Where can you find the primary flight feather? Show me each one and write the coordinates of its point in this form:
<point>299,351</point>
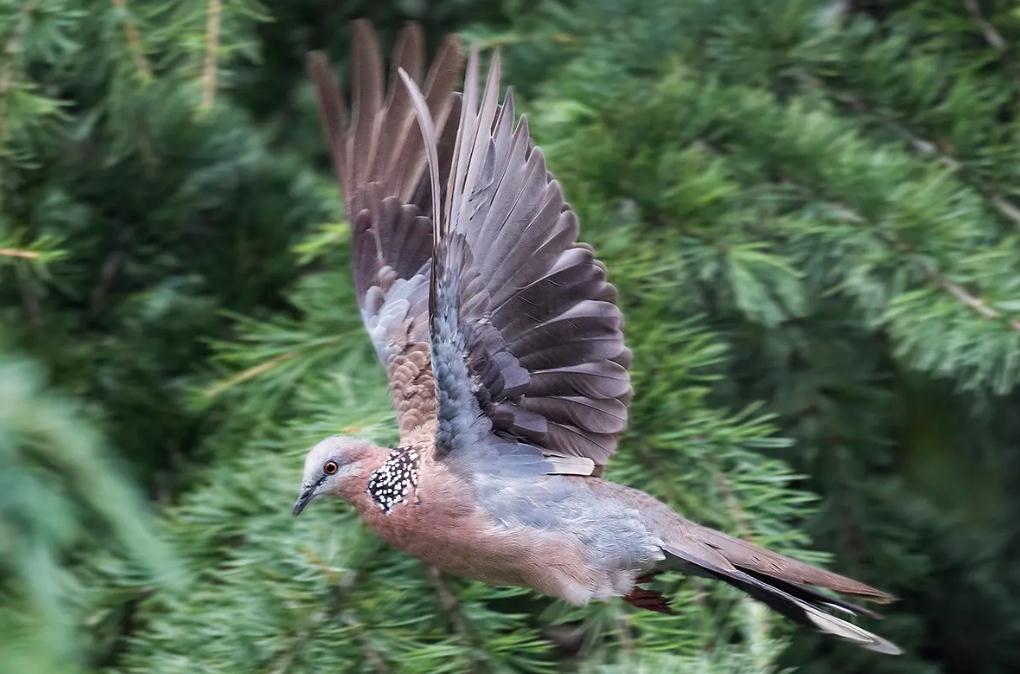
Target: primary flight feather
<point>503,345</point>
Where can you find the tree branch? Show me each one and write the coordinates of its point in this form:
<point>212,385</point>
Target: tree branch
<point>957,291</point>
<point>757,619</point>
<point>258,370</point>
<point>975,303</point>
<point>19,253</point>
<point>379,663</point>
<point>349,618</point>
<point>928,148</point>
<point>134,41</point>
<point>214,18</point>
<point>451,607</point>
<point>9,51</point>
<point>994,39</point>
<point>992,36</point>
<point>737,514</point>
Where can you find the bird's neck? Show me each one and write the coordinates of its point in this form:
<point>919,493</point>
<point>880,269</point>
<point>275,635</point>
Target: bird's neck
<point>353,488</point>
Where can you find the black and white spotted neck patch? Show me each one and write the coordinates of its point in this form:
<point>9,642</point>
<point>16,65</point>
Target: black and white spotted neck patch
<point>394,481</point>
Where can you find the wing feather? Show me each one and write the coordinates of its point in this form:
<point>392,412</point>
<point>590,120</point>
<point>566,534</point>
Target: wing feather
<point>392,195</point>
<point>525,332</point>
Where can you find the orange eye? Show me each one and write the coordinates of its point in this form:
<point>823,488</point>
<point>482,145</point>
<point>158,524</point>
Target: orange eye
<point>329,467</point>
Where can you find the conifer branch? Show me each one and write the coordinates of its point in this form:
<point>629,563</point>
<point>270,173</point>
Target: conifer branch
<point>758,627</point>
<point>20,253</point>
<point>30,303</point>
<point>265,366</point>
<point>937,278</point>
<point>349,618</point>
<point>736,511</point>
<point>108,272</point>
<point>975,303</point>
<point>1007,209</point>
<point>992,36</point>
<point>134,41</point>
<point>249,373</point>
<point>926,147</point>
<point>9,51</point>
<point>214,18</point>
<point>627,644</point>
<point>450,605</point>
<point>379,663</point>
<point>922,146</point>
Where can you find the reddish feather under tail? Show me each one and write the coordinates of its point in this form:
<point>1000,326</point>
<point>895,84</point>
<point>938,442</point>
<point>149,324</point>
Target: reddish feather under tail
<point>649,600</point>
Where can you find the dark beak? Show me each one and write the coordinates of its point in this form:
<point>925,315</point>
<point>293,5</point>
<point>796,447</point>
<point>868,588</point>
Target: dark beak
<point>303,500</point>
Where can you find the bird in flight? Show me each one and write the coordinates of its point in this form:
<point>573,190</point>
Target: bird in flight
<point>502,342</point>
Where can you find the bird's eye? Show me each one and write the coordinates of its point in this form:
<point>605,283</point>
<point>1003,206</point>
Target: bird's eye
<point>329,467</point>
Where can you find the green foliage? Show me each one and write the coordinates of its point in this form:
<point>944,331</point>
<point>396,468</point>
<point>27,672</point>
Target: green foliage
<point>810,210</point>
<point>60,496</point>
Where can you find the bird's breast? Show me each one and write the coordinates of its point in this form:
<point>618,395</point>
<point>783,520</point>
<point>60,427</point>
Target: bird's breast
<point>438,522</point>
<point>441,524</point>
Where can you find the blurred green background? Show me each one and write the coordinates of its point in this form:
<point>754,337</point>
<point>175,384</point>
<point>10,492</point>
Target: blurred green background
<point>811,210</point>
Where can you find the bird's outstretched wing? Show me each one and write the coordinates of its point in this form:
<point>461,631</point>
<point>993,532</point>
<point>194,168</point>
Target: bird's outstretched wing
<point>526,336</point>
<point>380,163</point>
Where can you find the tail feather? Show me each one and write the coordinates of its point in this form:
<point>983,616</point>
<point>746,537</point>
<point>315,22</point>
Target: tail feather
<point>784,595</point>
<point>815,597</point>
<point>808,612</point>
<point>758,560</point>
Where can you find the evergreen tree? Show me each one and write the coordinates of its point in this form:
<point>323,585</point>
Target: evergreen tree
<point>810,210</point>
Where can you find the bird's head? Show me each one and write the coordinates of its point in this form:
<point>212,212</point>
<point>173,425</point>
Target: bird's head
<point>335,466</point>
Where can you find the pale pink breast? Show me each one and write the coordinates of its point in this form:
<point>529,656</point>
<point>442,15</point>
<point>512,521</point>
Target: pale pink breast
<point>443,527</point>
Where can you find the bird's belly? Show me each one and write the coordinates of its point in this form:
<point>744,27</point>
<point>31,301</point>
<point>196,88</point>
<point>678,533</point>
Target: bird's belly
<point>469,544</point>
<point>461,544</point>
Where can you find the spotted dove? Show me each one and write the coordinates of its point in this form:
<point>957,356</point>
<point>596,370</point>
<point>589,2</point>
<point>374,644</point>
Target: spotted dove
<point>507,368</point>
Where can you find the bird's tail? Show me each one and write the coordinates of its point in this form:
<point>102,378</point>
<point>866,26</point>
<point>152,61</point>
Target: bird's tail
<point>782,583</point>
